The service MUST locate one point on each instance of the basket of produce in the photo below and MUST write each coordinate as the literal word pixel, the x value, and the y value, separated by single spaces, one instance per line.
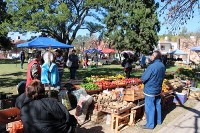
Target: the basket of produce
pixel 91 88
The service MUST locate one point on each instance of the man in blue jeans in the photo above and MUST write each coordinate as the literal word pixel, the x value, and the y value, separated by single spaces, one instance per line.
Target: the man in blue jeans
pixel 152 79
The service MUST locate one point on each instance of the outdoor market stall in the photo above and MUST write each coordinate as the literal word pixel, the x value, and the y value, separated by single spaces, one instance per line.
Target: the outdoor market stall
pixel 118 99
pixel 114 99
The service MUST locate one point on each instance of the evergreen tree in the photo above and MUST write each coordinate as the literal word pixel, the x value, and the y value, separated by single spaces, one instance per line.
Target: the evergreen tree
pixel 4 41
pixel 60 19
pixel 132 24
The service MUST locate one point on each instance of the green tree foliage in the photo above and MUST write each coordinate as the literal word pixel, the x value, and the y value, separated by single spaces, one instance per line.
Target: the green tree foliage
pixel 4 41
pixel 60 19
pixel 132 24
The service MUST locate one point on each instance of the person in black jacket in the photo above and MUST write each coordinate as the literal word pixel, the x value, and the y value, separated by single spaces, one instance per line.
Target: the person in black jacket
pixel 127 64
pixel 43 115
pixel 73 57
pixel 22 58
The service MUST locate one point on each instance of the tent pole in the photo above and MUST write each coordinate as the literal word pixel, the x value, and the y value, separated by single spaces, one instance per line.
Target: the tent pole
pixel 49 62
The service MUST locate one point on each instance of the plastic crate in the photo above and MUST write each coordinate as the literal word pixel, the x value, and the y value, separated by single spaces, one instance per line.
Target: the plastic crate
pixel 180 98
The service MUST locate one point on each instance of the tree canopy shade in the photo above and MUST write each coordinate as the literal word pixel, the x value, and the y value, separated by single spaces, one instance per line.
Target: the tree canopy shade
pixel 178 12
pixel 4 41
pixel 132 24
pixel 60 19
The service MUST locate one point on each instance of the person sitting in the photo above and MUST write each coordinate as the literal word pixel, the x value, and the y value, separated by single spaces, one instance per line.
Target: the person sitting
pixel 43 115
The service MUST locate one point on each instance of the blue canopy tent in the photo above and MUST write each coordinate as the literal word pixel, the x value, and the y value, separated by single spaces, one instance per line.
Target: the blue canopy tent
pixel 93 51
pixel 44 42
pixel 197 49
pixel 178 52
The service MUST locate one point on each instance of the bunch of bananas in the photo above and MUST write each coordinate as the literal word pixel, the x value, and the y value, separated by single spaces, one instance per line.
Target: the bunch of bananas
pixel 119 76
pixel 164 86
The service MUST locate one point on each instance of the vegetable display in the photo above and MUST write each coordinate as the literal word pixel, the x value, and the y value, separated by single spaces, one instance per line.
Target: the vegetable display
pixel 89 86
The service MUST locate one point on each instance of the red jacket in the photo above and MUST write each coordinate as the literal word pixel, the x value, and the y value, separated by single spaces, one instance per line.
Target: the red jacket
pixel 29 76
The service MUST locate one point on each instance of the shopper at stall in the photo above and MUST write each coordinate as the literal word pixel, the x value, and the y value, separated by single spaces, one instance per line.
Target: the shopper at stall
pixel 152 79
pixel 34 69
pixel 43 115
pixel 86 60
pixel 59 63
pixel 127 64
pixel 22 58
pixel 73 57
pixel 143 61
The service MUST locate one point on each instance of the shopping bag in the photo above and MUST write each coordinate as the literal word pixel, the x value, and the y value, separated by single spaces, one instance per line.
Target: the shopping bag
pixel 68 63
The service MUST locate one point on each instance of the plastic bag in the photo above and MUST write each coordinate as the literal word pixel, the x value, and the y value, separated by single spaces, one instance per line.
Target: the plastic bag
pixel 82 107
pixel 77 93
pixel 68 63
pixel 64 99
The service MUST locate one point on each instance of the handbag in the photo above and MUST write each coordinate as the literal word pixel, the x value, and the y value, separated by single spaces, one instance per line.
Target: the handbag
pixel 68 63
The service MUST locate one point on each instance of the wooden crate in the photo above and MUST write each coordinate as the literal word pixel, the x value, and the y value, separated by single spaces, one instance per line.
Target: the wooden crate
pixel 118 121
pixel 98 116
pixel 133 93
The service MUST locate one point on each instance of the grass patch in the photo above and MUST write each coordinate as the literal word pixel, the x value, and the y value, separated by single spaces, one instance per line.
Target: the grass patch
pixel 11 73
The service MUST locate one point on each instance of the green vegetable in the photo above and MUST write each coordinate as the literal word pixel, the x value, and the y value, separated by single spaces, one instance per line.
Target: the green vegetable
pixel 89 86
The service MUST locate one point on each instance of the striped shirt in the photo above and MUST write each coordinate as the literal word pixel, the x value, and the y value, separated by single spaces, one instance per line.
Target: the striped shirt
pixel 60 63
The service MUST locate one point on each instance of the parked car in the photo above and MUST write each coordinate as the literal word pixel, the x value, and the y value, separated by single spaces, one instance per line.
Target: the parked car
pixel 13 56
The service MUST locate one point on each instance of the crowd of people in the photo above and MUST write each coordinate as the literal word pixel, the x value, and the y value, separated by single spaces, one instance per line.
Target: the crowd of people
pixel 54 117
pixel 45 113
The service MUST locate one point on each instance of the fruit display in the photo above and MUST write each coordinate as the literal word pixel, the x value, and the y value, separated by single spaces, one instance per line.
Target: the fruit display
pixel 171 84
pixel 105 84
pixel 166 86
pixel 176 83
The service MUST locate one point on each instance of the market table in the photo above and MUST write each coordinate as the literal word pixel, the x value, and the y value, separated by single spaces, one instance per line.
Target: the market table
pixel 115 118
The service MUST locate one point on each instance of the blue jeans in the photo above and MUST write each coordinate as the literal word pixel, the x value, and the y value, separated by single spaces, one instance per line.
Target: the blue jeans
pixel 153 111
pixel 72 73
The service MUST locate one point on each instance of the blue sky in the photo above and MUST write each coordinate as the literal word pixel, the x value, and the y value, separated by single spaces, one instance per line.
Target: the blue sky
pixel 192 25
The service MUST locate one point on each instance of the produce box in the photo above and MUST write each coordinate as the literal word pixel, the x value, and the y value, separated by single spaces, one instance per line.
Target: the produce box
pixel 133 93
pixel 194 93
pixel 15 127
pixel 180 98
pixel 167 101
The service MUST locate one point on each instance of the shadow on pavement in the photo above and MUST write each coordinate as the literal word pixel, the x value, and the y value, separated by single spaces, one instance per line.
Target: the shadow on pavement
pixel 96 129
pixel 195 111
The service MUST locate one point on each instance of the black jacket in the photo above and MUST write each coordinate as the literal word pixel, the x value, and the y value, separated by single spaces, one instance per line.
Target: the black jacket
pixel 75 61
pixel 44 115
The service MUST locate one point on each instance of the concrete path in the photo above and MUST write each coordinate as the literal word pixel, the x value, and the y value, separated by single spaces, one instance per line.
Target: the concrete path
pixel 188 122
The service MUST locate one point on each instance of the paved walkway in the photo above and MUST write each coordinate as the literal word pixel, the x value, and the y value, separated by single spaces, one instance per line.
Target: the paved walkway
pixel 188 122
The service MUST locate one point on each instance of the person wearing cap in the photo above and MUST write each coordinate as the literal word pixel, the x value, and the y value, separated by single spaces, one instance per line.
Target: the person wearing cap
pixel 152 79
pixel 34 69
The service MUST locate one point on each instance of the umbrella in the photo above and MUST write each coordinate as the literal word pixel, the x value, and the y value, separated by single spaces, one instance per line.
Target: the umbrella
pixel 128 52
pixel 44 42
pixel 108 51
pixel 177 52
pixel 197 48
pixel 93 51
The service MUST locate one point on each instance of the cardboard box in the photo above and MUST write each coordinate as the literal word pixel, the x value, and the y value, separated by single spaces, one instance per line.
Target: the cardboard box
pixel 180 98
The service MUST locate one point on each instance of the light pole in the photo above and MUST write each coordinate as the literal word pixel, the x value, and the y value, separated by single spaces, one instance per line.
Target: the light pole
pixel 83 46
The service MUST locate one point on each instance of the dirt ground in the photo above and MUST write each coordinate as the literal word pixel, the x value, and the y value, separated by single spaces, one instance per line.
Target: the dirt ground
pixel 169 114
